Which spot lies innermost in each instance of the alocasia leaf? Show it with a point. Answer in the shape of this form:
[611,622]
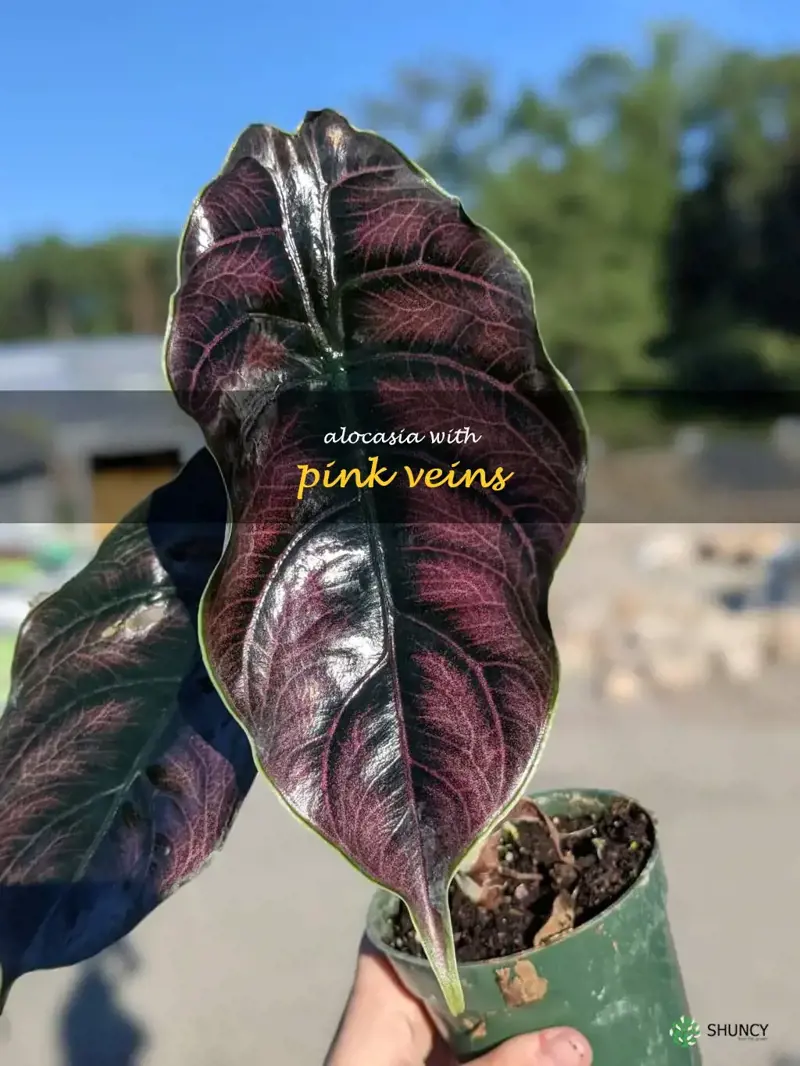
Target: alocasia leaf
[387,648]
[121,770]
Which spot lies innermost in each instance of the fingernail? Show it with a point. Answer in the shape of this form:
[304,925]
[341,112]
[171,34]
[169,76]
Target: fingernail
[566,1047]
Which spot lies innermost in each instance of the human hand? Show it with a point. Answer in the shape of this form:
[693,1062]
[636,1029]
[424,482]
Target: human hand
[383,1025]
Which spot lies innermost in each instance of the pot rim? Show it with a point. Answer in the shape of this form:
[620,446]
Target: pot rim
[509,960]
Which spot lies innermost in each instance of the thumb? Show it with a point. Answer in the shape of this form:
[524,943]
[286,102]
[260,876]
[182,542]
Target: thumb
[383,1025]
[551,1047]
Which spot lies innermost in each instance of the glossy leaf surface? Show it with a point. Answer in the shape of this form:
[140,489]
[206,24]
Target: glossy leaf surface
[121,770]
[387,649]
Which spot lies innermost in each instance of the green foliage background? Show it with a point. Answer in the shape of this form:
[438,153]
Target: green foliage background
[656,204]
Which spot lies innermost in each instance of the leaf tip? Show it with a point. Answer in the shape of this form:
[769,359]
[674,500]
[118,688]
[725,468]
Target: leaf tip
[453,994]
[436,937]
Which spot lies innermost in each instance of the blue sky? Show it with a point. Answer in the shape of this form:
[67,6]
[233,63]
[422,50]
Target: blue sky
[113,115]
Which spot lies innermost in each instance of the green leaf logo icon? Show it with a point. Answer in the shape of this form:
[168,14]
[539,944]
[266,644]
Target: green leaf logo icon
[685,1031]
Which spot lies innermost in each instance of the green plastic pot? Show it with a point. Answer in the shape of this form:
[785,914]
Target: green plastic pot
[616,978]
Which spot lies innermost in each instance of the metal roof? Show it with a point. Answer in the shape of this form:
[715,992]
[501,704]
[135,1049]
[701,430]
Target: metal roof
[88,395]
[106,364]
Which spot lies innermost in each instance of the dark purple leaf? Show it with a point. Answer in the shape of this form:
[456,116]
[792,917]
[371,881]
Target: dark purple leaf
[121,771]
[388,649]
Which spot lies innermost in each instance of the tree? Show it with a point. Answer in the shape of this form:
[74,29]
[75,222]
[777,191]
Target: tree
[55,289]
[655,202]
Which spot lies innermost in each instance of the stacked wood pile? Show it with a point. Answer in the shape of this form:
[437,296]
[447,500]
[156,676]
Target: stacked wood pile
[668,612]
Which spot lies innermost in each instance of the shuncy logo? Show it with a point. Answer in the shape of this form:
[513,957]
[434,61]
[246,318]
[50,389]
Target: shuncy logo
[742,1030]
[685,1032]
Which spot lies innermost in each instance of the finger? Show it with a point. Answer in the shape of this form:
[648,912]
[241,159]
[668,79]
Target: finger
[383,1024]
[551,1047]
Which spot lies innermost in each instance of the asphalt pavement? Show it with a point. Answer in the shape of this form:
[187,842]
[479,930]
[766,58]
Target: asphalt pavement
[250,964]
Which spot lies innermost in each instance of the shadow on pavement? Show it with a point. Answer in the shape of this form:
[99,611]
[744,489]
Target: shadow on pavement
[95,1028]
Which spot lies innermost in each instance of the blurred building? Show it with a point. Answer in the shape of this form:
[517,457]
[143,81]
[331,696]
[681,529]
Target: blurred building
[88,428]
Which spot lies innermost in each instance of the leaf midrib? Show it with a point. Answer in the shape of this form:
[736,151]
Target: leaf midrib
[339,379]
